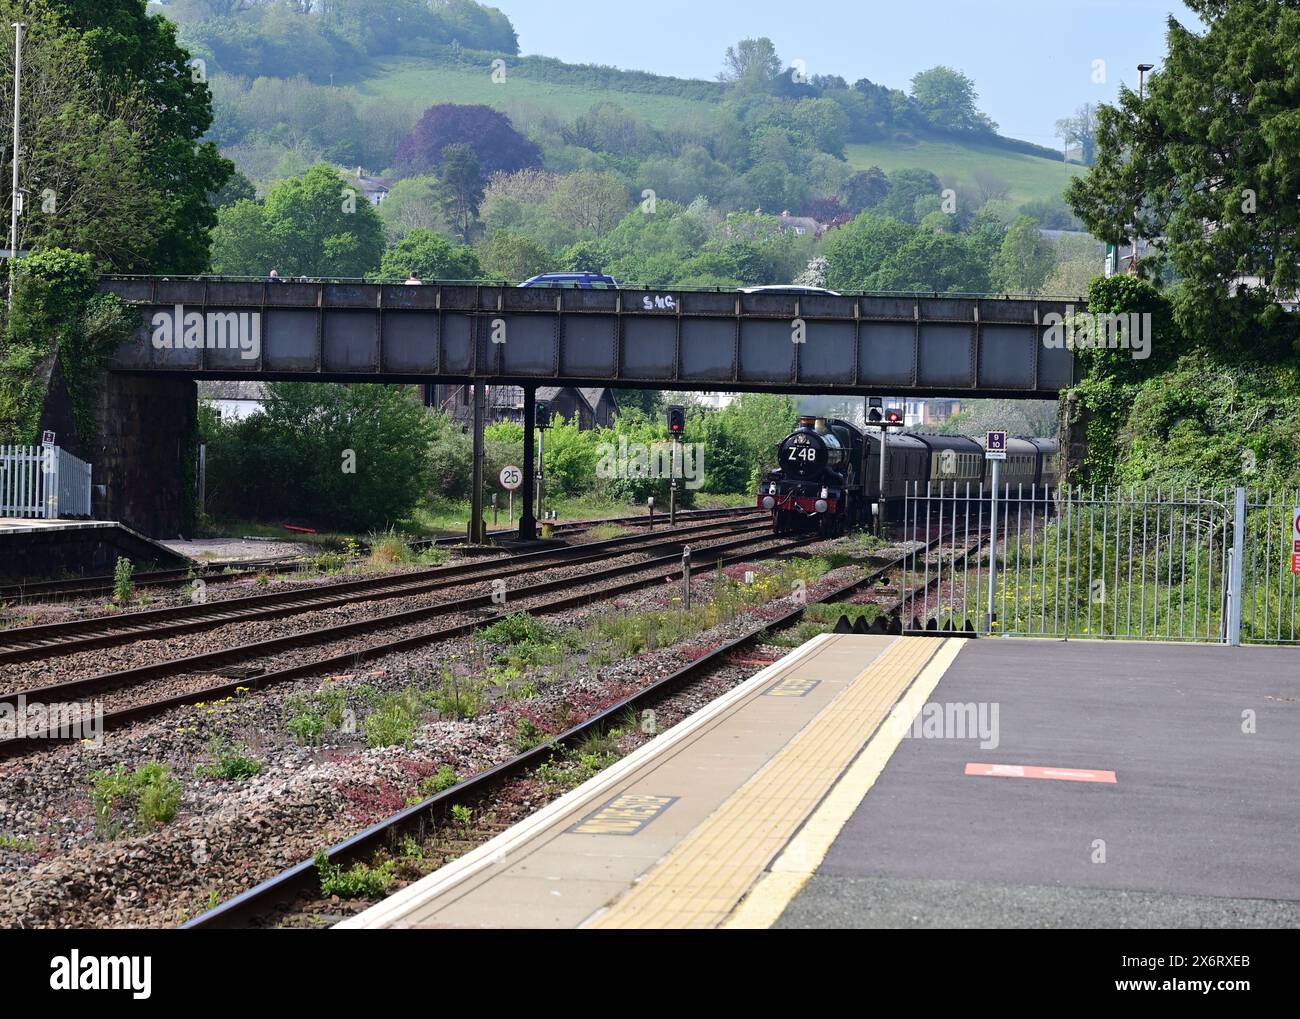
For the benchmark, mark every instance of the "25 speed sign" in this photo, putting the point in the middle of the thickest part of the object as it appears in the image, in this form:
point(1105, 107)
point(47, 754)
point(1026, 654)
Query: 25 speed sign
point(511, 478)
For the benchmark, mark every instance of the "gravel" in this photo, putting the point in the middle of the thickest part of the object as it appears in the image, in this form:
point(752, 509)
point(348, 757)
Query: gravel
point(230, 834)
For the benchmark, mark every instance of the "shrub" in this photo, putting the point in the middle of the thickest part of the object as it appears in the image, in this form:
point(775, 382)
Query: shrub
point(123, 589)
point(151, 789)
point(361, 881)
point(228, 762)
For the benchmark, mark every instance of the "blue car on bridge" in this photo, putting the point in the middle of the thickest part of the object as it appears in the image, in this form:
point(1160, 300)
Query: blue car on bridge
point(574, 280)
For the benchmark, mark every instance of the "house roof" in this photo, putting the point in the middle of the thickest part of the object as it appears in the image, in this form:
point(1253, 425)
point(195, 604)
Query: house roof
point(232, 390)
point(513, 396)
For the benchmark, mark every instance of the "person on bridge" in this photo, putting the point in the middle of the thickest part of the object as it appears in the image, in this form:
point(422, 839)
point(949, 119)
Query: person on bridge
point(274, 277)
point(414, 280)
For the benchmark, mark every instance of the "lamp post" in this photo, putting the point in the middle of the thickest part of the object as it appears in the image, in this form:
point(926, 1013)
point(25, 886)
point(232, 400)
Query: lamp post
point(1142, 80)
point(15, 196)
point(1142, 76)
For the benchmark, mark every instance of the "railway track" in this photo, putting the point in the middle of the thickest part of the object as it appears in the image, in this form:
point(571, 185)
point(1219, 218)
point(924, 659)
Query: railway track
point(70, 636)
point(221, 571)
point(263, 901)
point(642, 573)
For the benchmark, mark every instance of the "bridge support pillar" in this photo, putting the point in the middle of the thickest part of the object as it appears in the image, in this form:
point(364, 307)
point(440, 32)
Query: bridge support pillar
point(143, 453)
point(1074, 417)
point(527, 514)
point(477, 525)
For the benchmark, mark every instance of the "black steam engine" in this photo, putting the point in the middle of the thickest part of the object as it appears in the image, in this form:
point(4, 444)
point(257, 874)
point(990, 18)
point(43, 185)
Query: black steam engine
point(827, 477)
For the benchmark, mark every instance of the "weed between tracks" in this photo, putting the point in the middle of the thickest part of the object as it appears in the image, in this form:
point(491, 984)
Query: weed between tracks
point(150, 790)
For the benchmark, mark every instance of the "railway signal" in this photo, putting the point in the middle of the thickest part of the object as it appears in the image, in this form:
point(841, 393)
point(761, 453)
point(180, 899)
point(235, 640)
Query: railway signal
point(893, 418)
point(542, 414)
point(875, 410)
point(676, 426)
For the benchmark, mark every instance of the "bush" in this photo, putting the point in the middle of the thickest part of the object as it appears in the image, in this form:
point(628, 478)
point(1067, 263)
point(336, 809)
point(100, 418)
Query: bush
point(360, 882)
point(150, 789)
point(358, 457)
point(228, 762)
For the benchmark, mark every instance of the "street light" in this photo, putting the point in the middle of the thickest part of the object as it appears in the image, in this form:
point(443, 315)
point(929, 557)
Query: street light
point(1142, 77)
point(14, 196)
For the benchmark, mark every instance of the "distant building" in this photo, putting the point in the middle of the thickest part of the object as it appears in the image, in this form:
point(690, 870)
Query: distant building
point(926, 413)
point(801, 225)
point(375, 189)
point(714, 401)
point(592, 408)
point(234, 401)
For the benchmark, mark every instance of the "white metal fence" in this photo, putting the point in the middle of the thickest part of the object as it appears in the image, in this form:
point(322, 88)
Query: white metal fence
point(43, 482)
point(1138, 564)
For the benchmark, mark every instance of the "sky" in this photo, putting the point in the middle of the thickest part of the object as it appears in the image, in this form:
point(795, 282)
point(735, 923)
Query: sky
point(1032, 60)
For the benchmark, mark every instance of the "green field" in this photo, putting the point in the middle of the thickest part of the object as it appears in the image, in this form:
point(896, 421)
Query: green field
point(406, 79)
point(953, 163)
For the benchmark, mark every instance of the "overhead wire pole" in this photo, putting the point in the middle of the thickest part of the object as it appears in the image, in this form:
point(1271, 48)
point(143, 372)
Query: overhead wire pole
point(15, 196)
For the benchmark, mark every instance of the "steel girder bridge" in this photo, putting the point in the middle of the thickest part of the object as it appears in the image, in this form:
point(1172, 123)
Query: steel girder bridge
point(351, 331)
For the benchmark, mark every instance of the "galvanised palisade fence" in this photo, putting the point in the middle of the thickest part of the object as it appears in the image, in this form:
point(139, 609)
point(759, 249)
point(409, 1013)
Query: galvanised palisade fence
point(43, 482)
point(1131, 563)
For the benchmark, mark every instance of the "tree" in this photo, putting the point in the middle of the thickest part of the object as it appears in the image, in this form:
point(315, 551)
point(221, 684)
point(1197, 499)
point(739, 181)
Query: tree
point(430, 257)
point(462, 183)
point(943, 263)
point(496, 144)
point(136, 59)
point(822, 124)
point(1026, 258)
point(906, 186)
point(346, 456)
point(413, 204)
point(751, 65)
point(1017, 417)
point(946, 98)
point(236, 188)
point(89, 133)
point(1207, 164)
point(1080, 130)
point(510, 257)
point(865, 189)
point(313, 225)
point(590, 204)
point(856, 250)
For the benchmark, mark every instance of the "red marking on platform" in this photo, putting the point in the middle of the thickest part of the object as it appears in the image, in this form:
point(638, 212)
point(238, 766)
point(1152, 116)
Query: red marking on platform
point(1033, 771)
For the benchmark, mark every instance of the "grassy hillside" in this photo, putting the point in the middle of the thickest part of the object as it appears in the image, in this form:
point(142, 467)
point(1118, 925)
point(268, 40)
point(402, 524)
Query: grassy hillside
point(409, 79)
point(412, 80)
point(954, 163)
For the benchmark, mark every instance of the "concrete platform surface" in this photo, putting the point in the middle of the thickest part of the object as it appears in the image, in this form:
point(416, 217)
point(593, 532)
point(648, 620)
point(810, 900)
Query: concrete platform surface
point(1201, 826)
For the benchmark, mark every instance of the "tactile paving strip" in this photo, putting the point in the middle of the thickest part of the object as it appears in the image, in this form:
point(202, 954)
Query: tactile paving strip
point(700, 881)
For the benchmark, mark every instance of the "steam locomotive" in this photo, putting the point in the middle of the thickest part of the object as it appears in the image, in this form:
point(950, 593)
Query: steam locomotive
point(827, 476)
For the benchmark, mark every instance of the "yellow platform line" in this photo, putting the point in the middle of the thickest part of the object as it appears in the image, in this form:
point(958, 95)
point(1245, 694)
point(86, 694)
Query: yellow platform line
point(777, 888)
point(701, 880)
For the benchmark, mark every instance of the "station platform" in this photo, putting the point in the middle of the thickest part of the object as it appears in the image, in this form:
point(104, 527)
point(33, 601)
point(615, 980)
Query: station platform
point(878, 781)
point(32, 549)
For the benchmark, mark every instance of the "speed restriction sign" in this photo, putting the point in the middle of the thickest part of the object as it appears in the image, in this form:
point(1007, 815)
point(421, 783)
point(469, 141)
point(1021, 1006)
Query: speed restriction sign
point(995, 446)
point(511, 478)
